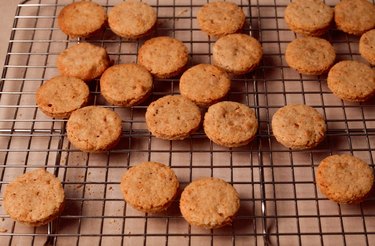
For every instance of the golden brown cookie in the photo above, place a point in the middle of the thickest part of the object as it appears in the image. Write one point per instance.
(344, 178)
(34, 198)
(209, 203)
(149, 187)
(298, 126)
(367, 46)
(126, 84)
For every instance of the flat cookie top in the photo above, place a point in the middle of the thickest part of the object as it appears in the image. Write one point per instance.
(204, 84)
(209, 203)
(172, 117)
(344, 178)
(126, 84)
(81, 19)
(352, 81)
(220, 18)
(367, 46)
(298, 126)
(149, 186)
(34, 198)
(230, 124)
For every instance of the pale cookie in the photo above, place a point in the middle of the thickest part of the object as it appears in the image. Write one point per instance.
(81, 19)
(132, 19)
(84, 61)
(344, 179)
(204, 84)
(34, 198)
(220, 18)
(94, 129)
(61, 95)
(352, 81)
(298, 126)
(367, 46)
(355, 16)
(310, 55)
(149, 187)
(126, 84)
(164, 57)
(230, 124)
(237, 53)
(172, 117)
(308, 17)
(209, 203)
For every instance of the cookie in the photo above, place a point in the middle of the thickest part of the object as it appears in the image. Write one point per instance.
(94, 129)
(355, 16)
(172, 117)
(352, 81)
(132, 19)
(149, 187)
(237, 53)
(204, 84)
(298, 126)
(126, 84)
(84, 61)
(61, 95)
(230, 124)
(34, 198)
(220, 18)
(344, 179)
(310, 55)
(81, 19)
(164, 57)
(308, 17)
(367, 46)
(209, 203)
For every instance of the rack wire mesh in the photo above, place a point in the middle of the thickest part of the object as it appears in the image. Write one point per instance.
(280, 204)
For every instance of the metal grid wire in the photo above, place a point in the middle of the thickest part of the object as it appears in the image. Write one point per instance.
(280, 204)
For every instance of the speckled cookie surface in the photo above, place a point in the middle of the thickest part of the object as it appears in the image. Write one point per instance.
(172, 117)
(310, 55)
(94, 129)
(220, 18)
(352, 81)
(237, 53)
(355, 16)
(149, 187)
(126, 84)
(344, 178)
(204, 84)
(367, 46)
(209, 203)
(34, 198)
(230, 124)
(84, 61)
(298, 126)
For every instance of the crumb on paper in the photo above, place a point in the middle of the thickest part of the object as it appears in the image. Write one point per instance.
(182, 12)
(2, 219)
(2, 229)
(79, 186)
(89, 173)
(110, 188)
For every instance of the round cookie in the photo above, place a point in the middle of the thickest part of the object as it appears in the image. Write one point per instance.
(230, 124)
(81, 19)
(61, 95)
(204, 84)
(94, 129)
(84, 61)
(367, 46)
(355, 16)
(132, 20)
(209, 203)
(149, 187)
(237, 53)
(352, 81)
(220, 18)
(308, 17)
(126, 84)
(172, 117)
(310, 55)
(298, 126)
(34, 198)
(344, 179)
(164, 57)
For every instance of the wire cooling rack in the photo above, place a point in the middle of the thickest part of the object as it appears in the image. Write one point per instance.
(280, 204)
